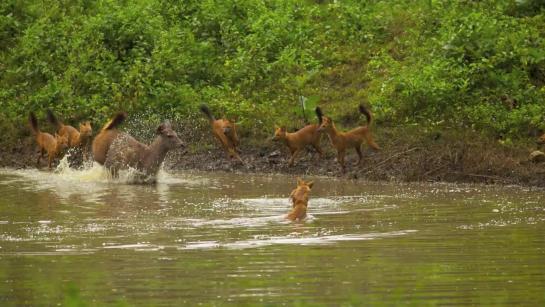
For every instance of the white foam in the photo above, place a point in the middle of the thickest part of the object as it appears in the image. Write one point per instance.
(301, 240)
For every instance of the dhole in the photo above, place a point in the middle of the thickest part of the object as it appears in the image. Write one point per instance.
(108, 133)
(118, 150)
(226, 133)
(299, 199)
(297, 141)
(75, 138)
(351, 139)
(53, 145)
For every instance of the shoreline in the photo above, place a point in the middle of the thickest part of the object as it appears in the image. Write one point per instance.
(426, 157)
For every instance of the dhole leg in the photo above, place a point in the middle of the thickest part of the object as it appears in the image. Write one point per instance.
(50, 160)
(231, 153)
(293, 155)
(318, 150)
(84, 153)
(360, 155)
(40, 156)
(340, 159)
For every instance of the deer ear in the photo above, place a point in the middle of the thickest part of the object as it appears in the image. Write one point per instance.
(161, 128)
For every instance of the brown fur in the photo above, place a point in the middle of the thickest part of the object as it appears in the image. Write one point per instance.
(541, 139)
(123, 151)
(53, 145)
(108, 133)
(80, 139)
(350, 139)
(225, 132)
(299, 199)
(297, 141)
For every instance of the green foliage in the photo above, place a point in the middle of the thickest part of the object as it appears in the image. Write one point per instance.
(473, 64)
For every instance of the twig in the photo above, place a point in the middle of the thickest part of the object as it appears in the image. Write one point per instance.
(390, 158)
(484, 176)
(426, 174)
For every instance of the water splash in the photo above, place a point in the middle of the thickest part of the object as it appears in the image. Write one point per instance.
(92, 182)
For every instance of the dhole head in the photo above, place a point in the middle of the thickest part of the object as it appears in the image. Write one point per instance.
(541, 139)
(85, 129)
(228, 126)
(62, 142)
(279, 133)
(304, 185)
(169, 136)
(326, 123)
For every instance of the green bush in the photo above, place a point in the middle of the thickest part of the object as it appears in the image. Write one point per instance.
(473, 64)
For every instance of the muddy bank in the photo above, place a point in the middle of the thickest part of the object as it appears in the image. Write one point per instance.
(435, 156)
(405, 155)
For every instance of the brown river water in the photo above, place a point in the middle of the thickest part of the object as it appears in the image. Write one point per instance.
(77, 237)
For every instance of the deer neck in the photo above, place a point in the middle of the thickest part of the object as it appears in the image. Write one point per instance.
(155, 155)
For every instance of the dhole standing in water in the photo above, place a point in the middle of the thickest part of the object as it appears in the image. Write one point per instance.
(299, 199)
(297, 141)
(118, 150)
(75, 138)
(226, 133)
(53, 145)
(350, 139)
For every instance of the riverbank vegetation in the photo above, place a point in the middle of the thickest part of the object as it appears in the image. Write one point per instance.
(462, 65)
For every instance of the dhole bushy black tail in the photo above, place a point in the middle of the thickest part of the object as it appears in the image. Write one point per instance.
(118, 119)
(33, 122)
(367, 114)
(204, 108)
(320, 114)
(53, 119)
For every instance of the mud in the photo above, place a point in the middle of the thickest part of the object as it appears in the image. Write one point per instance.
(449, 156)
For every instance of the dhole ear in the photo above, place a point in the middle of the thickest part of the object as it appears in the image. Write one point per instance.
(300, 181)
(310, 184)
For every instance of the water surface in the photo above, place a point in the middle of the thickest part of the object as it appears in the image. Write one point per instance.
(219, 238)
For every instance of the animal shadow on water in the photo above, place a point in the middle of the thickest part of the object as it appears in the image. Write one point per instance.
(118, 150)
(304, 137)
(53, 145)
(225, 131)
(299, 199)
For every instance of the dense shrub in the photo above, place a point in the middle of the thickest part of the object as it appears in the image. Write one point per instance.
(476, 64)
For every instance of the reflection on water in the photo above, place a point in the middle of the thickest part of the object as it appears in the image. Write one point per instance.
(363, 243)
